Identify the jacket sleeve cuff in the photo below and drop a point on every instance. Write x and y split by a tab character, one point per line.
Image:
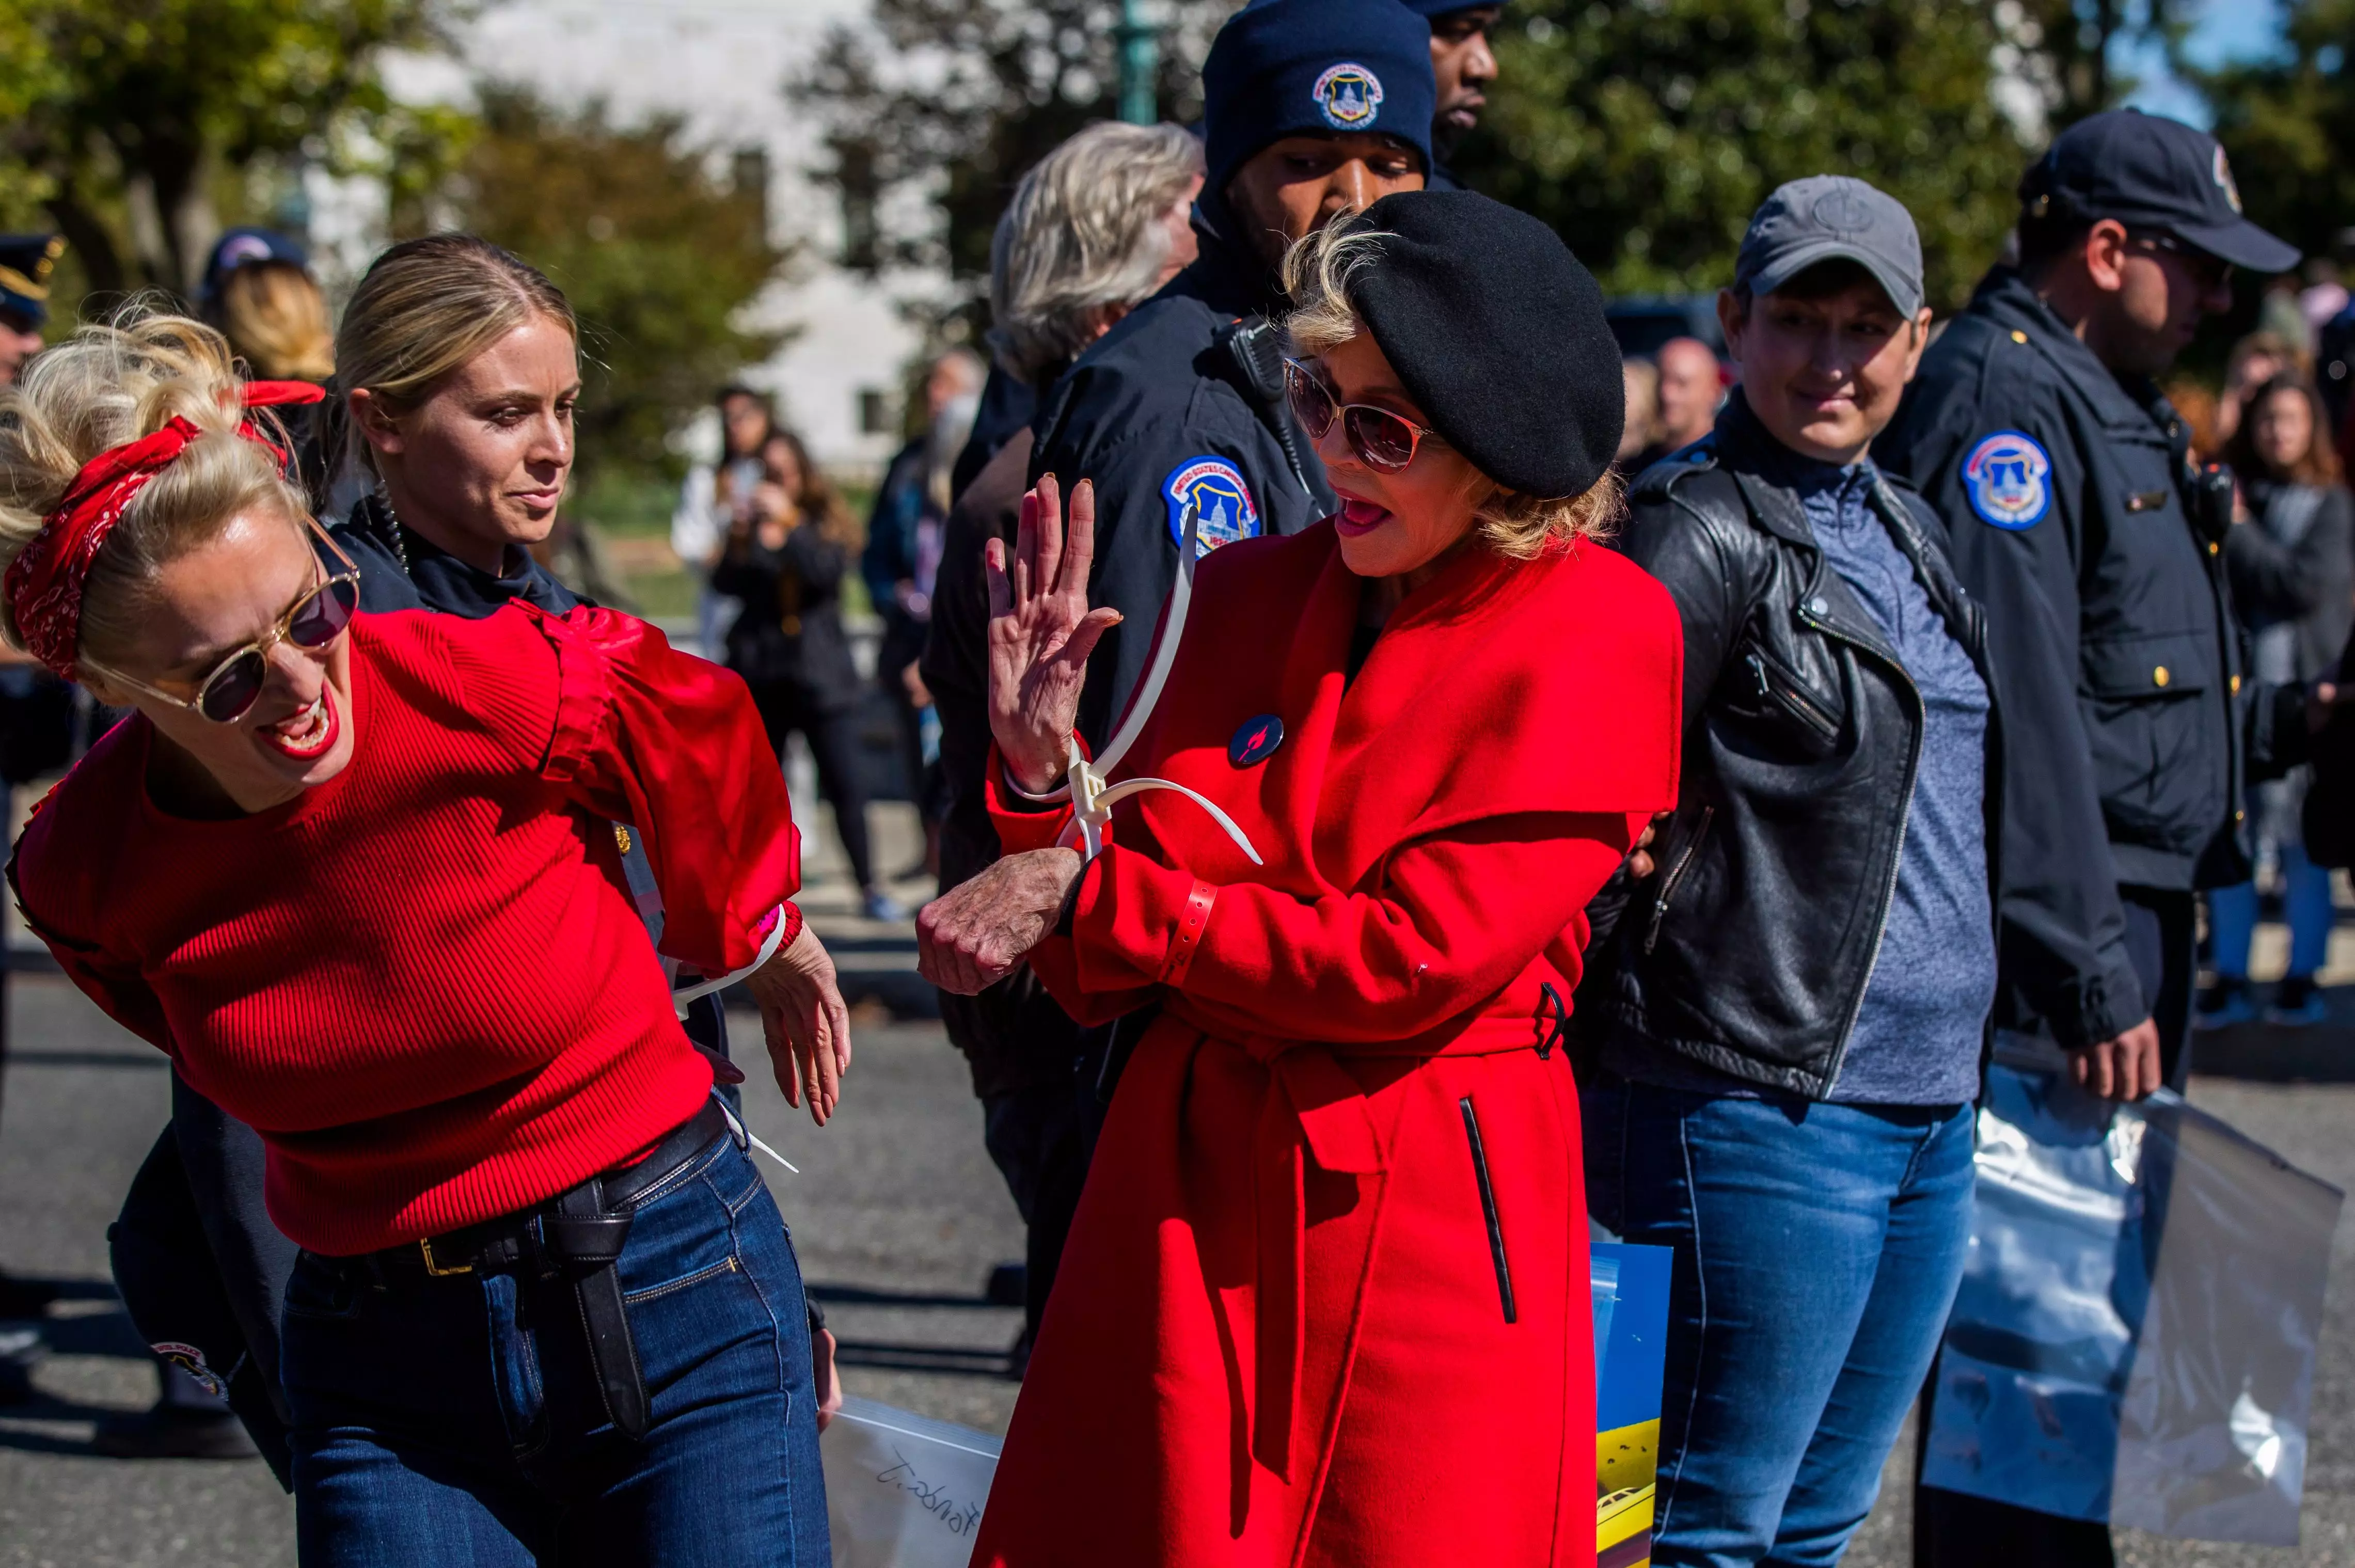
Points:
2099	1007
2279	740
1136	922
1021	825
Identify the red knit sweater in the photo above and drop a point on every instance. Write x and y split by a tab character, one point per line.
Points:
422	982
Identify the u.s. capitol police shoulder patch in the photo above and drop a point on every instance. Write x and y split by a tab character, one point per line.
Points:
191	1360
1350	96
1216	487
2008	479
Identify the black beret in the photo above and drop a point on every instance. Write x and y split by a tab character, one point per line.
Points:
1498	334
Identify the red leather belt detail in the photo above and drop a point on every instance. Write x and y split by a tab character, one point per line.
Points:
1192	922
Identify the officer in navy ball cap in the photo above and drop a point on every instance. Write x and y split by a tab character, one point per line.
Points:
26	262
1312	108
246	247
2038	429
1464	67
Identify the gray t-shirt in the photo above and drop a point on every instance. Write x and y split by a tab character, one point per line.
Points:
1917	1037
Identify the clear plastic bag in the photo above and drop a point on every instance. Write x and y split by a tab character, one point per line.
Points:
903	1490
2134	1340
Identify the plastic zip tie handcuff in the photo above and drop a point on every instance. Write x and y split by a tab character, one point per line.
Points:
1084	781
744	1134
702	988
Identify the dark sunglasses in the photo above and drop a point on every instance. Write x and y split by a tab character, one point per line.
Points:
1382	440
229	690
2207	272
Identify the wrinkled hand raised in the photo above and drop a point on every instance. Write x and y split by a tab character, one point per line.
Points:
1041	631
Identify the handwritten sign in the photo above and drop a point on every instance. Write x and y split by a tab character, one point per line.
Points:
903	1490
933	1497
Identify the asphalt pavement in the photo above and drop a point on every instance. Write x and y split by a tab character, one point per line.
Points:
899	1217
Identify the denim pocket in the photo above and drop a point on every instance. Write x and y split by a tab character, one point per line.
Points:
686	1237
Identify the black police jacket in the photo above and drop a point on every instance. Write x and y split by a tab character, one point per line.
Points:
1182	400
1750	946
2075	515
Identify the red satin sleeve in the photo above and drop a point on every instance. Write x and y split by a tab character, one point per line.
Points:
672	745
1455	919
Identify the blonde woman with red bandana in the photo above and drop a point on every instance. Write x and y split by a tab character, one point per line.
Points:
350	873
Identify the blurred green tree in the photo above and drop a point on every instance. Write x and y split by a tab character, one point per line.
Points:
951	101
1646	133
2065	48
660	249
121	114
2288	122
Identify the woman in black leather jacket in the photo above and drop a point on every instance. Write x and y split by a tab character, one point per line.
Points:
786	560
1783	1033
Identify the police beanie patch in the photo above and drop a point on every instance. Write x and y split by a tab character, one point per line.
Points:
1497	331
1320	68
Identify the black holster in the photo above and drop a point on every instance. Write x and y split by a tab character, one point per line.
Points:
583	1238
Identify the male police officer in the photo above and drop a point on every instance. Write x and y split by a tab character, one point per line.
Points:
25	261
2076	519
1313	108
1464	68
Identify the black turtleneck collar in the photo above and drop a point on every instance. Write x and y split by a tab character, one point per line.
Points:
400	568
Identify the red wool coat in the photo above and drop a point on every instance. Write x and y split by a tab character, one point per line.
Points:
1287	1328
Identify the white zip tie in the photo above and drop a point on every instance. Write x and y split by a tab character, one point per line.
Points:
686	994
736	1125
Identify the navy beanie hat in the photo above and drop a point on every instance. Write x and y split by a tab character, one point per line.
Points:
1498	334
1291	67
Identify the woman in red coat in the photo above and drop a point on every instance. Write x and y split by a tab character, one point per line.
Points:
1326	1300
355	875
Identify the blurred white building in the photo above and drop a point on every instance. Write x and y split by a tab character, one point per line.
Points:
721	65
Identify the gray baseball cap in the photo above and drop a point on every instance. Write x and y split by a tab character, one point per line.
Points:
1826	218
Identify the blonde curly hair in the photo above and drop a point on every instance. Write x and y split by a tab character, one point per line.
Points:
106	386
1317	273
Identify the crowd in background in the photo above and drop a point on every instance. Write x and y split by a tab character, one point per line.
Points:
773	544
1825	1083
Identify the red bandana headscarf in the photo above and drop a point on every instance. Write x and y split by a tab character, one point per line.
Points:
45	583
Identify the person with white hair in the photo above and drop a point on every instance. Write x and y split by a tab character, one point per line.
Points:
1099	225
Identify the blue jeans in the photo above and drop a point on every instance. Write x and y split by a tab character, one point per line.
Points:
454	1421
1817	1249
2306	901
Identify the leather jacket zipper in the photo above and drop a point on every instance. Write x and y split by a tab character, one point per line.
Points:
1675	875
1488	1210
1780	688
1897	852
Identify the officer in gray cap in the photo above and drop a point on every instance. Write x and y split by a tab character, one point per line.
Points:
1786	1022
2076	517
